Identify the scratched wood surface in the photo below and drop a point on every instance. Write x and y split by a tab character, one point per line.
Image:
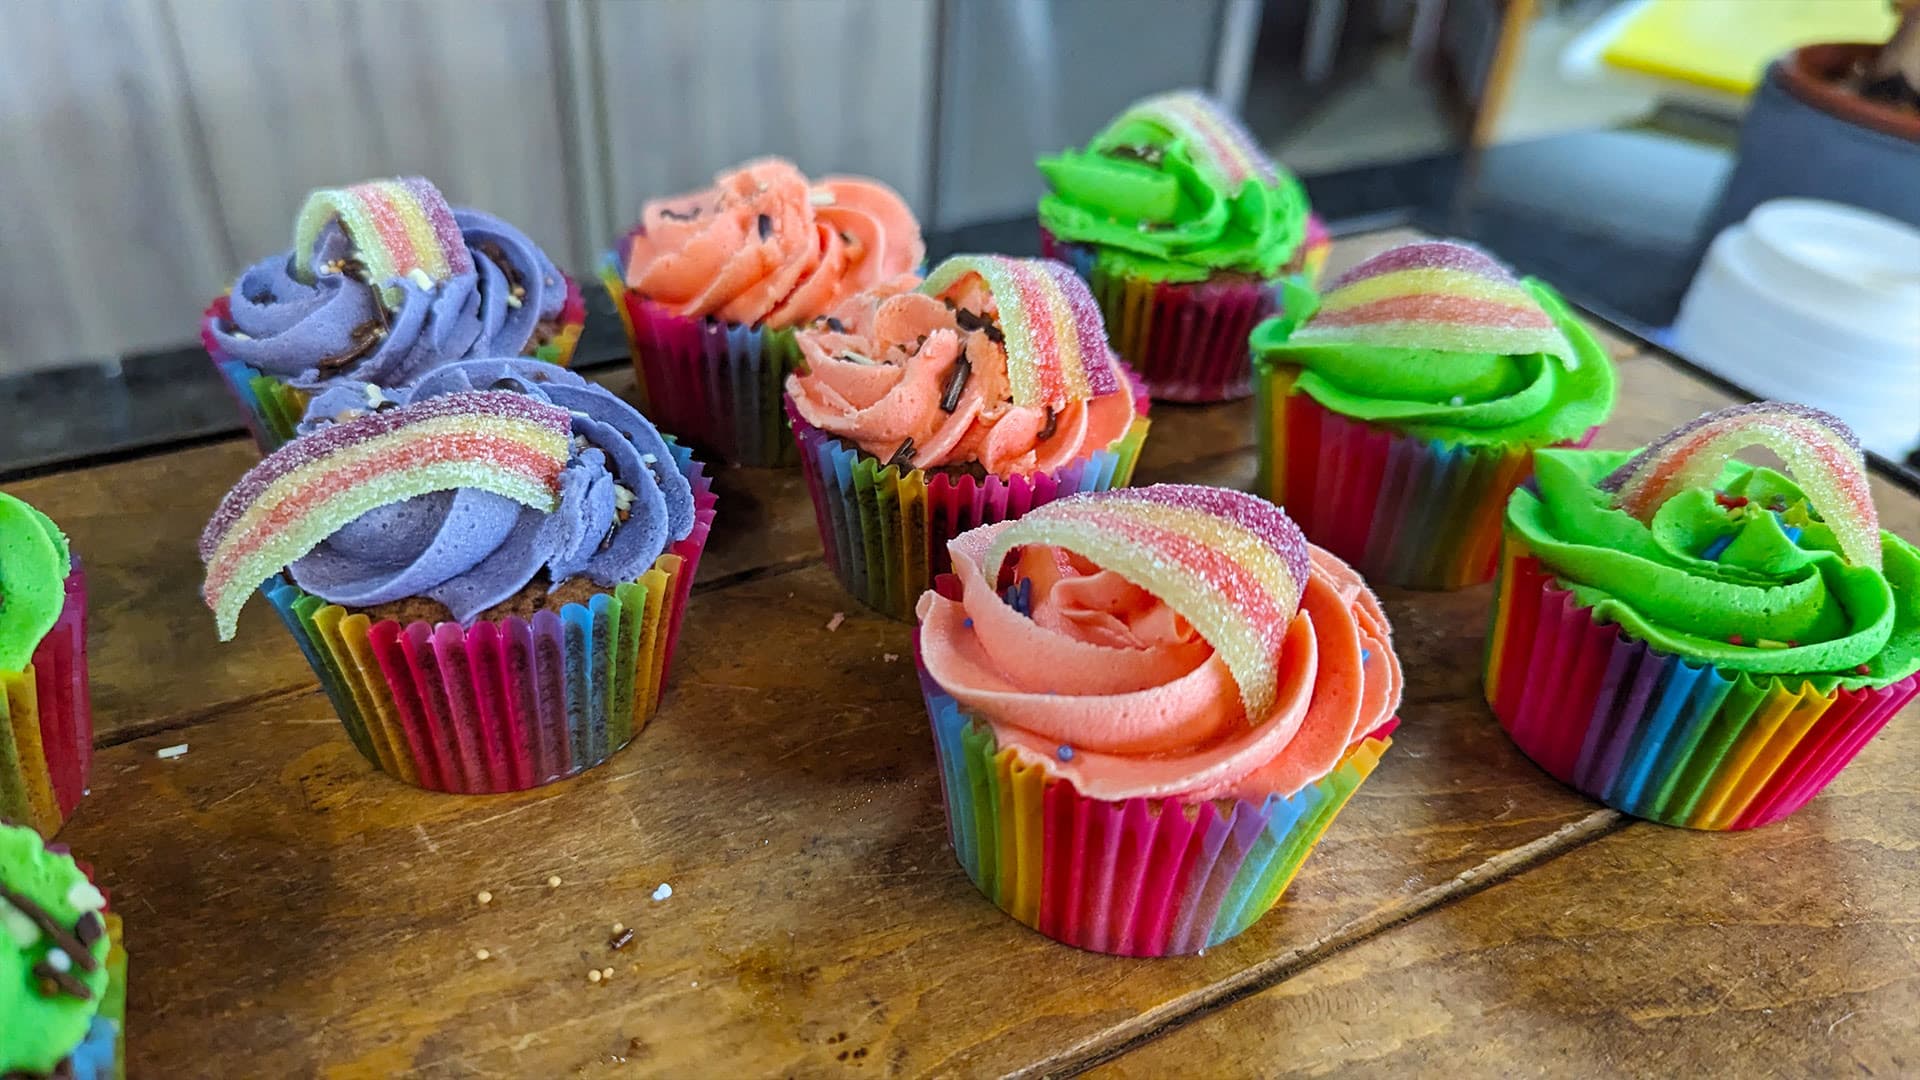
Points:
294	913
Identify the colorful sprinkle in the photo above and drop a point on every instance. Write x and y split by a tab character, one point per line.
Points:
1019	596
1736	639
1065	753
508	444
397	227
1056	342
1862	669
1729	501
1818	448
1717	548
1769	643
1233	565
1435	295
1216	142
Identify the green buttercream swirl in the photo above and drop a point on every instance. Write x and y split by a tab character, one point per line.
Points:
34	563
40	1031
1137	195
1653	581
1530	399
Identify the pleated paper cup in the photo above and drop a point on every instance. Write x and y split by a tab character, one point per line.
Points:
885	529
1189	342
1656	735
510	703
1136	877
274	407
716	384
1416	513
46	723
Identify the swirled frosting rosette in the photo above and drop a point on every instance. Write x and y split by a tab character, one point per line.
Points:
712	284
1696	640
487	569
384	283
63	973
920	413
46	714
1396	412
1183	227
1148	705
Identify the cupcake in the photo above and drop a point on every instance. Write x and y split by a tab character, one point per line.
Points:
1397	412
1698	641
923	413
46	715
1185	230
487	571
384	284
712	285
63	973
1148	705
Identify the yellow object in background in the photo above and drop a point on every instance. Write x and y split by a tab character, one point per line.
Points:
1727	44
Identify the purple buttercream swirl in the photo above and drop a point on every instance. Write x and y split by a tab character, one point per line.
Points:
337	330
470	549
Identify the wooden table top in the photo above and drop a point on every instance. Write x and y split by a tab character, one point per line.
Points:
292	912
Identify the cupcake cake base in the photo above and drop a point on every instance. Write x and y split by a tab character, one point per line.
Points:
46	723
1655	735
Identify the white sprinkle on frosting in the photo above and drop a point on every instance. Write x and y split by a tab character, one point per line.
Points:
85	897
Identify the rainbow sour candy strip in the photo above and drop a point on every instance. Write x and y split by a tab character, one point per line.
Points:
1233	565
1819	449
1435	295
397	227
1215	140
1056	341
508	444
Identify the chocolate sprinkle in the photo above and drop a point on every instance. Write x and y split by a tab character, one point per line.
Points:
90	928
836	325
956	385
621	940
512	386
63	981
82	956
1150	155
903	457
671	214
974	321
365	337
1053	424
766	227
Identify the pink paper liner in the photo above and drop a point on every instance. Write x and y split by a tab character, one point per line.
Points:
510	703
716	384
273	407
1137	877
1657	735
1416	513
885	529
46	722
1189	342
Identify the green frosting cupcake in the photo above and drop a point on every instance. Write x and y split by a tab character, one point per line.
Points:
53	954
1719	581
1438	341
34	563
1174	190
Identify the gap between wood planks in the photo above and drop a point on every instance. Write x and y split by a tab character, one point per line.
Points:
1194	1005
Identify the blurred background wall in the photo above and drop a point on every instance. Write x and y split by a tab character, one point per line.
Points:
152	148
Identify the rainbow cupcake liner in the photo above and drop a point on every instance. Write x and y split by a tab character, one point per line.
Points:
1657	735
718	385
273	407
1188	342
46	723
1416	513
1140	877
886	529
510	703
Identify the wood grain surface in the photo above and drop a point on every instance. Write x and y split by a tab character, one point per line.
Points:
291	912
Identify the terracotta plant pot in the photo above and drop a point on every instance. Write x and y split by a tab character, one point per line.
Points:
1814	74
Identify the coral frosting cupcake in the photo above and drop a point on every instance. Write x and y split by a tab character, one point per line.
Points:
46	715
63	973
385	282
1148	706
1697	641
487	571
713	283
1398	411
1184	229
920	414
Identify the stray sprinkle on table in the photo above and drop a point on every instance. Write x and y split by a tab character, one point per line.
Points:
665	890
485	897
593	976
171	751
890	657
834	623
553	882
482	954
